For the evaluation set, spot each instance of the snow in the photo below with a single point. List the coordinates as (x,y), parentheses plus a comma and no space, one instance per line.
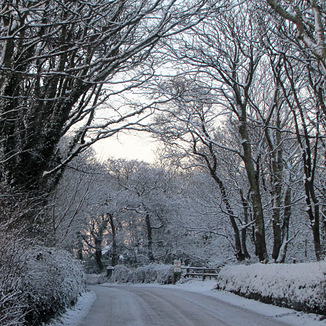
(152,273)
(36,282)
(300,283)
(77,313)
(301,286)
(290,316)
(74,316)
(53,281)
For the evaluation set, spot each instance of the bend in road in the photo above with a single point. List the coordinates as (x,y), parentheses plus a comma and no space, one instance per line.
(129,305)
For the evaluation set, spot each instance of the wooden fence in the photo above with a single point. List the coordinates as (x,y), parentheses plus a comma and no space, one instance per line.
(203,272)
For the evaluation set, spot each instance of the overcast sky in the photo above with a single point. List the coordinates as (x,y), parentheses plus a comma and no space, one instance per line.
(141,147)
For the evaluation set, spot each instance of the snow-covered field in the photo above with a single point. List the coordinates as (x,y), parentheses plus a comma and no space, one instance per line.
(75,315)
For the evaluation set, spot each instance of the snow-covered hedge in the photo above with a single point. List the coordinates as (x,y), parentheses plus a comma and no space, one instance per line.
(12,299)
(153,273)
(297,286)
(53,282)
(92,279)
(35,282)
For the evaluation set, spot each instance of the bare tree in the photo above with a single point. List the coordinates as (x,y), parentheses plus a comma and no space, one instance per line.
(305,108)
(299,26)
(69,203)
(309,19)
(223,53)
(187,125)
(60,62)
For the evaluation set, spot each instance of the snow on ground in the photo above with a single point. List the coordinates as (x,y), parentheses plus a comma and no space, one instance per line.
(300,286)
(75,315)
(289,316)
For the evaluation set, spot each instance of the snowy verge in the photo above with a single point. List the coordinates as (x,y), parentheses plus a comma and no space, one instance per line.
(286,315)
(75,315)
(297,286)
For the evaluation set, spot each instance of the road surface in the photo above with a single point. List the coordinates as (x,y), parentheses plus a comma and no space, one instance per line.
(119,305)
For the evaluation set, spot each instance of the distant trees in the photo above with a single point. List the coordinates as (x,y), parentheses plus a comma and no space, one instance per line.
(145,213)
(149,196)
(84,210)
(137,211)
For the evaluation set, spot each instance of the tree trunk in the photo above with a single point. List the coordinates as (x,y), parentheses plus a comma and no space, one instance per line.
(79,246)
(315,224)
(149,238)
(285,226)
(114,254)
(98,239)
(277,168)
(212,167)
(245,206)
(238,250)
(98,254)
(309,149)
(253,179)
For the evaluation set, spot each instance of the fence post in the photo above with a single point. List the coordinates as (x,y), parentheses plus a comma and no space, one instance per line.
(176,271)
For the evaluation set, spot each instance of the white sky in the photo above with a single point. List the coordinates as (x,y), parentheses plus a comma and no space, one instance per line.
(141,147)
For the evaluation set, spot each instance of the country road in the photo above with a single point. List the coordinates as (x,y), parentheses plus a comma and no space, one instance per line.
(119,305)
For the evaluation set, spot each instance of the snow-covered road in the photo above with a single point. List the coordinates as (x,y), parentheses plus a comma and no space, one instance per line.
(120,305)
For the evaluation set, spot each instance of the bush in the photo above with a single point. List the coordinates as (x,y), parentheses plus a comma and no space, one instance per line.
(153,273)
(53,282)
(12,298)
(121,274)
(35,282)
(297,286)
(92,279)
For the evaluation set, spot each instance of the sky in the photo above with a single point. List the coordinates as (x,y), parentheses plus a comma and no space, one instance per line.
(141,147)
